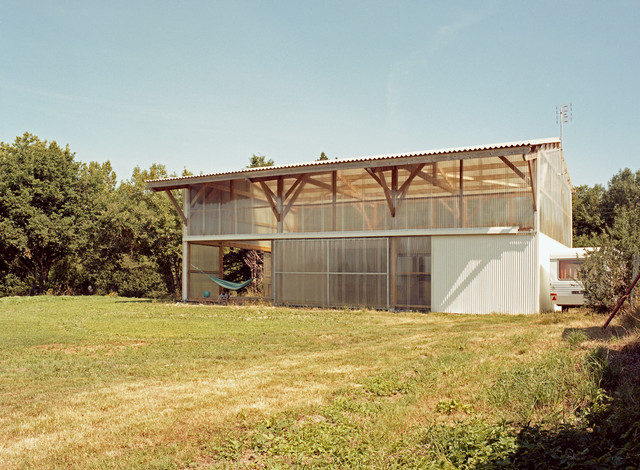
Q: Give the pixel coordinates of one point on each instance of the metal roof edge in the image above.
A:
(182, 181)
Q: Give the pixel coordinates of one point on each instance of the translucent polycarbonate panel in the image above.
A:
(350, 216)
(446, 212)
(482, 192)
(355, 269)
(309, 218)
(364, 255)
(203, 259)
(229, 207)
(301, 289)
(492, 193)
(491, 187)
(201, 287)
(412, 279)
(195, 210)
(308, 203)
(431, 198)
(499, 210)
(298, 256)
(267, 276)
(364, 290)
(350, 196)
(415, 213)
(555, 198)
(413, 291)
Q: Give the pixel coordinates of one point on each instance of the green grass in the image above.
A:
(102, 382)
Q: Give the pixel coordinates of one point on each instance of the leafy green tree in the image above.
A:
(614, 212)
(623, 193)
(588, 220)
(257, 161)
(159, 228)
(80, 272)
(322, 157)
(39, 210)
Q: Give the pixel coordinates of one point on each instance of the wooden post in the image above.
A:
(334, 200)
(621, 301)
(186, 270)
(221, 265)
(393, 269)
(533, 188)
(394, 195)
(279, 203)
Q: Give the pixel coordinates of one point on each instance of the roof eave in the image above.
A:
(325, 166)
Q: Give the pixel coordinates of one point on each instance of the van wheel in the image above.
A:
(565, 308)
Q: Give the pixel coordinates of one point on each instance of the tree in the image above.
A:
(322, 157)
(610, 219)
(80, 272)
(588, 220)
(39, 209)
(257, 161)
(146, 232)
(623, 193)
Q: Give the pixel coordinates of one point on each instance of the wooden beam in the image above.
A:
(515, 169)
(414, 172)
(329, 187)
(177, 206)
(394, 193)
(197, 196)
(298, 181)
(295, 195)
(231, 244)
(444, 184)
(279, 201)
(334, 199)
(387, 192)
(533, 189)
(349, 184)
(271, 199)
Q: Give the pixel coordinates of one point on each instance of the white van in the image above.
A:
(566, 290)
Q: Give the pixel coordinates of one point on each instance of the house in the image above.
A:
(461, 230)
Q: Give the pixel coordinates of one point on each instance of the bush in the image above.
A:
(605, 275)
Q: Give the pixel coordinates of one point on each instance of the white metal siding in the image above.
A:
(484, 274)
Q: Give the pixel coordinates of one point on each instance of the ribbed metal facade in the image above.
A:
(484, 274)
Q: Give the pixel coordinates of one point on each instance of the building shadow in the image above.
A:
(596, 333)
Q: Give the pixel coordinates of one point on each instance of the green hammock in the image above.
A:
(226, 284)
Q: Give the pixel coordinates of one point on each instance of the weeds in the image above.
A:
(100, 383)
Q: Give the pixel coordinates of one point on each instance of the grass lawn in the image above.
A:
(101, 382)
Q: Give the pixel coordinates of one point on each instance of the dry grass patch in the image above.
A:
(106, 383)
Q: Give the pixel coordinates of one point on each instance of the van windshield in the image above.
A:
(568, 268)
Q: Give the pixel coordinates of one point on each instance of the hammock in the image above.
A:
(226, 284)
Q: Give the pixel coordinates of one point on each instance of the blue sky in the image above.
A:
(206, 84)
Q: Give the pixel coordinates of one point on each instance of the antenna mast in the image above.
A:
(563, 114)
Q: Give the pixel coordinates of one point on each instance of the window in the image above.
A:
(568, 268)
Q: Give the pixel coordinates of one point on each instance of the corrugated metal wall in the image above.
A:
(484, 274)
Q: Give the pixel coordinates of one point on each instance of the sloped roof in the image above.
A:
(329, 165)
